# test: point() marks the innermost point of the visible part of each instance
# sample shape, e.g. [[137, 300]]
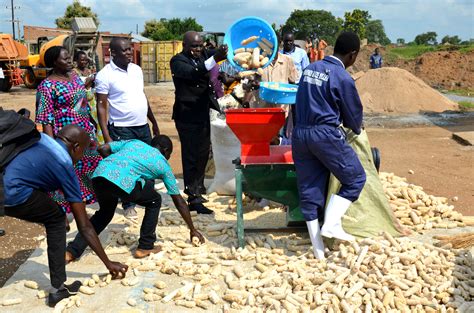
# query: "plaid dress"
[[61, 103]]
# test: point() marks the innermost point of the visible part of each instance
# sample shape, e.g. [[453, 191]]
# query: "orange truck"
[[11, 54]]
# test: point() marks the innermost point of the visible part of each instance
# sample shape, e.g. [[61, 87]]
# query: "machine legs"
[[240, 210]]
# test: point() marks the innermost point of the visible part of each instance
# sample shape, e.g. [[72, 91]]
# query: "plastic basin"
[[245, 28], [278, 93]]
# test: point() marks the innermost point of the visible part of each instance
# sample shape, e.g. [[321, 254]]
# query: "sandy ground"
[[114, 297], [441, 165], [35, 268]]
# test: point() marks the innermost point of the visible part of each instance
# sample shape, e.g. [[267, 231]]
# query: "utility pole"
[[13, 21], [18, 28]]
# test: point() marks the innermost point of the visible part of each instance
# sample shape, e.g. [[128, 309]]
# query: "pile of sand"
[[392, 89]]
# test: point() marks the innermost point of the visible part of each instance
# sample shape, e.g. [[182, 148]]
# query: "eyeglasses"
[[197, 46]]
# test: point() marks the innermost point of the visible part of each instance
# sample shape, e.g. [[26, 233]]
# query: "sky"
[[401, 18]]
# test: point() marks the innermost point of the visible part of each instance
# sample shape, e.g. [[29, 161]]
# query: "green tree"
[[277, 30], [357, 21], [376, 33], [157, 30], [172, 29], [75, 10], [307, 23], [428, 38], [454, 40], [400, 41]]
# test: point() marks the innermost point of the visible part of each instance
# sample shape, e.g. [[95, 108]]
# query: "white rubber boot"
[[332, 227], [316, 239]]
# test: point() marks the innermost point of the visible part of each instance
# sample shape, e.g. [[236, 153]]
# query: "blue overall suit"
[[326, 98]]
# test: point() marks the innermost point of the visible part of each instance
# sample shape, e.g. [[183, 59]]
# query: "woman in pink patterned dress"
[[62, 100]]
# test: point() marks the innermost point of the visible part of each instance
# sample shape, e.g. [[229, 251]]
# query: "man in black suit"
[[194, 96]]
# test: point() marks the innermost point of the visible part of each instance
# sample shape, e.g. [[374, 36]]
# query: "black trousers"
[[108, 194], [195, 147], [39, 208], [128, 133]]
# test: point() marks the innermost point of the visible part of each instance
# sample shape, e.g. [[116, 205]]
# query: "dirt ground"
[[441, 165]]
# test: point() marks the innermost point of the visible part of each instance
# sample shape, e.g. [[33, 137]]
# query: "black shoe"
[[66, 292], [197, 199], [200, 208], [2, 232], [203, 200]]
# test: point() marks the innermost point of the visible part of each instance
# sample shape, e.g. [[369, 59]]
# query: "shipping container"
[[155, 59], [106, 53]]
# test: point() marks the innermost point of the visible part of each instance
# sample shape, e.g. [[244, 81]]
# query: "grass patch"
[[462, 92], [466, 49], [409, 52], [466, 105]]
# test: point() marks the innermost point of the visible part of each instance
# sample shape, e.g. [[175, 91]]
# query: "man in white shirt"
[[122, 105]]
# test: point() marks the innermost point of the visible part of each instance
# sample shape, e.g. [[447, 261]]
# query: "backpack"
[[17, 133]]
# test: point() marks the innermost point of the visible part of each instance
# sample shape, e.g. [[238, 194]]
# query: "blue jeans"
[[130, 132]]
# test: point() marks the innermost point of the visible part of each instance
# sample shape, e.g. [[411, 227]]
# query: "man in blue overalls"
[[327, 99]]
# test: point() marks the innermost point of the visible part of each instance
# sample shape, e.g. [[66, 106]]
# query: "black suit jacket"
[[194, 95]]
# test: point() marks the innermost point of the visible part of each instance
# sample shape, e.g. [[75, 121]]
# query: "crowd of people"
[[120, 162], [96, 128]]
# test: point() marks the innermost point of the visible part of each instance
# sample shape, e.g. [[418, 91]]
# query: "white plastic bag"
[[225, 149]]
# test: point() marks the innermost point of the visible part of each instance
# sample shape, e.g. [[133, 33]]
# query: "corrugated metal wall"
[[155, 59]]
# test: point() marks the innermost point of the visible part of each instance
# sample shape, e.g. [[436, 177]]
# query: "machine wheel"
[[5, 84], [376, 157], [30, 79]]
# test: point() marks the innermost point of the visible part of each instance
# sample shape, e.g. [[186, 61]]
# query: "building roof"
[[110, 35], [32, 33], [139, 38]]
